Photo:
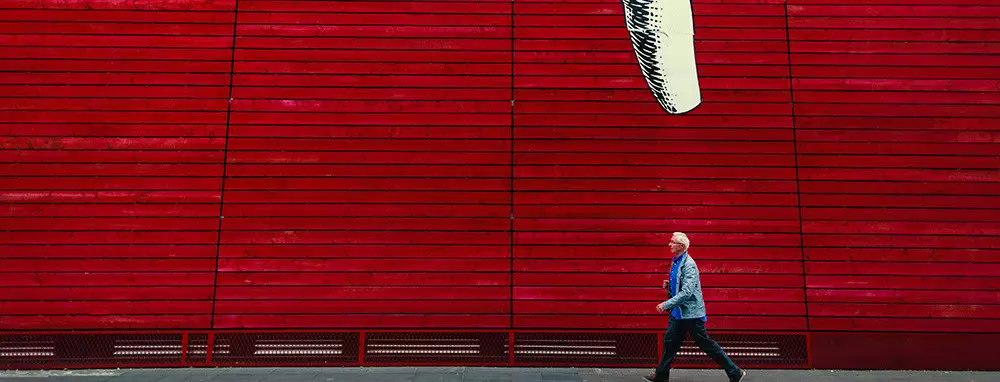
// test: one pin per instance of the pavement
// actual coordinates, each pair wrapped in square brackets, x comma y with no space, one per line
[472,374]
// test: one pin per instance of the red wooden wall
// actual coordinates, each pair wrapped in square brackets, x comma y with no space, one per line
[498,165]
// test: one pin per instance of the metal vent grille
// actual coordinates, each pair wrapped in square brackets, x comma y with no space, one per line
[285,348]
[434,348]
[586,348]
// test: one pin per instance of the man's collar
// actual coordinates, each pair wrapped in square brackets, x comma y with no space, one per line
[678,257]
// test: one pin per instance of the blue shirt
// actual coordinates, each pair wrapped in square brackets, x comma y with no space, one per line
[674,271]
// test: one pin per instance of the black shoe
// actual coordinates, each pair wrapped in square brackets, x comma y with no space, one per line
[743,373]
[652,378]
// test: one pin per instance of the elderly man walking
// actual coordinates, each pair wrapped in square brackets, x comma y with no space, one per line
[687,314]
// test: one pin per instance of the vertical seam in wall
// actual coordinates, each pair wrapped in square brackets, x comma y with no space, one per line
[795,152]
[225,162]
[511,179]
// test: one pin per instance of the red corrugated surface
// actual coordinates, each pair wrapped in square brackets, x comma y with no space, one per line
[496,165]
[113,118]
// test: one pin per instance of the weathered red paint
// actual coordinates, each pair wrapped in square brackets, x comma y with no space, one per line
[500,165]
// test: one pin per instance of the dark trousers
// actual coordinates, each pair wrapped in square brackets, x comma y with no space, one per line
[672,340]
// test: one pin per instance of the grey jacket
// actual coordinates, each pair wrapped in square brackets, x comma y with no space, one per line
[688,297]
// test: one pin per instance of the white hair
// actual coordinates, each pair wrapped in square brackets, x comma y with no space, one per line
[682,238]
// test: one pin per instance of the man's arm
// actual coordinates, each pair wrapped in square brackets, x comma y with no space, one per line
[689,278]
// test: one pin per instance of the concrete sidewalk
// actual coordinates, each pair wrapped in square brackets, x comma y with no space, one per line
[473,374]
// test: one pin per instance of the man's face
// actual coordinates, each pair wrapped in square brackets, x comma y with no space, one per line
[676,247]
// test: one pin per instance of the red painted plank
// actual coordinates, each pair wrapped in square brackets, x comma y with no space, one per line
[910,161]
[967,255]
[430,210]
[94,208]
[107,183]
[659,265]
[635,82]
[108,265]
[164,169]
[374,43]
[901,296]
[714,280]
[654,249]
[643,159]
[165,42]
[416,7]
[653,225]
[880,268]
[484,94]
[721,185]
[623,45]
[103,308]
[103,224]
[629,69]
[654,322]
[119,322]
[890,11]
[108,237]
[820,173]
[107,251]
[895,214]
[71,65]
[137,16]
[940,22]
[351,307]
[944,35]
[362,265]
[362,224]
[652,198]
[381,18]
[901,241]
[588,32]
[709,58]
[380,56]
[368,158]
[374,171]
[653,294]
[895,60]
[61,104]
[366,68]
[384,252]
[123,279]
[895,72]
[617,309]
[912,201]
[368,321]
[146,144]
[894,188]
[139,53]
[652,172]
[949,149]
[370,119]
[109,28]
[383,278]
[715,96]
[554,238]
[354,145]
[349,237]
[980,85]
[373,196]
[152,5]
[644,108]
[748,127]
[111,91]
[98,156]
[115,293]
[610,8]
[928,228]
[702,21]
[363,31]
[903,282]
[983,98]
[936,325]
[384,293]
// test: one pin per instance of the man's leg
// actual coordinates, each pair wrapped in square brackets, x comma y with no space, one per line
[671,345]
[712,348]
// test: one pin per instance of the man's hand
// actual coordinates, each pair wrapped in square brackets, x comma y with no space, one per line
[659,308]
[666,284]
